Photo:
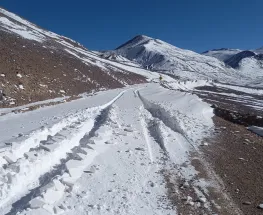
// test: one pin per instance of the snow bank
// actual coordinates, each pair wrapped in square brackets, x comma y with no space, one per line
[256,130]
[184,112]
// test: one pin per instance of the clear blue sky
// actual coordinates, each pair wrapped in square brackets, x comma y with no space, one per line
[198,25]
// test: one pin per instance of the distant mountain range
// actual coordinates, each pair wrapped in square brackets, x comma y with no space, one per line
[223,65]
[36,64]
[234,57]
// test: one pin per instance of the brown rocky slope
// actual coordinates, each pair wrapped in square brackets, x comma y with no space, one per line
[35,65]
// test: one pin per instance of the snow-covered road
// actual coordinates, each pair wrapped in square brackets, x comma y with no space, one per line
[112,153]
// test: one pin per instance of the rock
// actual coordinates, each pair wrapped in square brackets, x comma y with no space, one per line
[202,199]
[246,203]
[90,170]
[12,103]
[214,106]
[139,149]
[128,129]
[184,185]
[260,206]
[190,203]
[188,198]
[204,144]
[151,183]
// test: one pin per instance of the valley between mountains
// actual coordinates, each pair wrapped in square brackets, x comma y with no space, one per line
[146,128]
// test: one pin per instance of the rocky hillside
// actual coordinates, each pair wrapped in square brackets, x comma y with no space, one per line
[36,64]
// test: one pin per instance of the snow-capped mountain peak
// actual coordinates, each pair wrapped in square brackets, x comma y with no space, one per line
[161,56]
[137,40]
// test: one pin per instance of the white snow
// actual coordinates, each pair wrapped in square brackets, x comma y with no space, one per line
[51,196]
[36,203]
[222,54]
[21,86]
[145,52]
[254,91]
[256,130]
[74,168]
[120,164]
[20,30]
[19,75]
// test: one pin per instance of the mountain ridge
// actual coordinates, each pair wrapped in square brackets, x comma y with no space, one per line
[36,64]
[43,65]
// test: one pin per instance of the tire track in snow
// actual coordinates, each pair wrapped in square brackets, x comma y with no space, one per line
[59,169]
[21,145]
[179,168]
[145,133]
[161,114]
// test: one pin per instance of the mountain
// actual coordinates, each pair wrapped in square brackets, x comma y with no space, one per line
[248,63]
[259,50]
[225,54]
[234,60]
[159,56]
[222,54]
[36,64]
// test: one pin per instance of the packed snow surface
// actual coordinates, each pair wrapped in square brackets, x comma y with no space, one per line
[106,151]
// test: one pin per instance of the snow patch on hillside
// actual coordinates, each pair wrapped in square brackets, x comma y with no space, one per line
[21,30]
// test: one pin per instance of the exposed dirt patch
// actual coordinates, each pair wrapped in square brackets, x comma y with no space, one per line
[236,156]
[32,71]
[238,118]
[232,100]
